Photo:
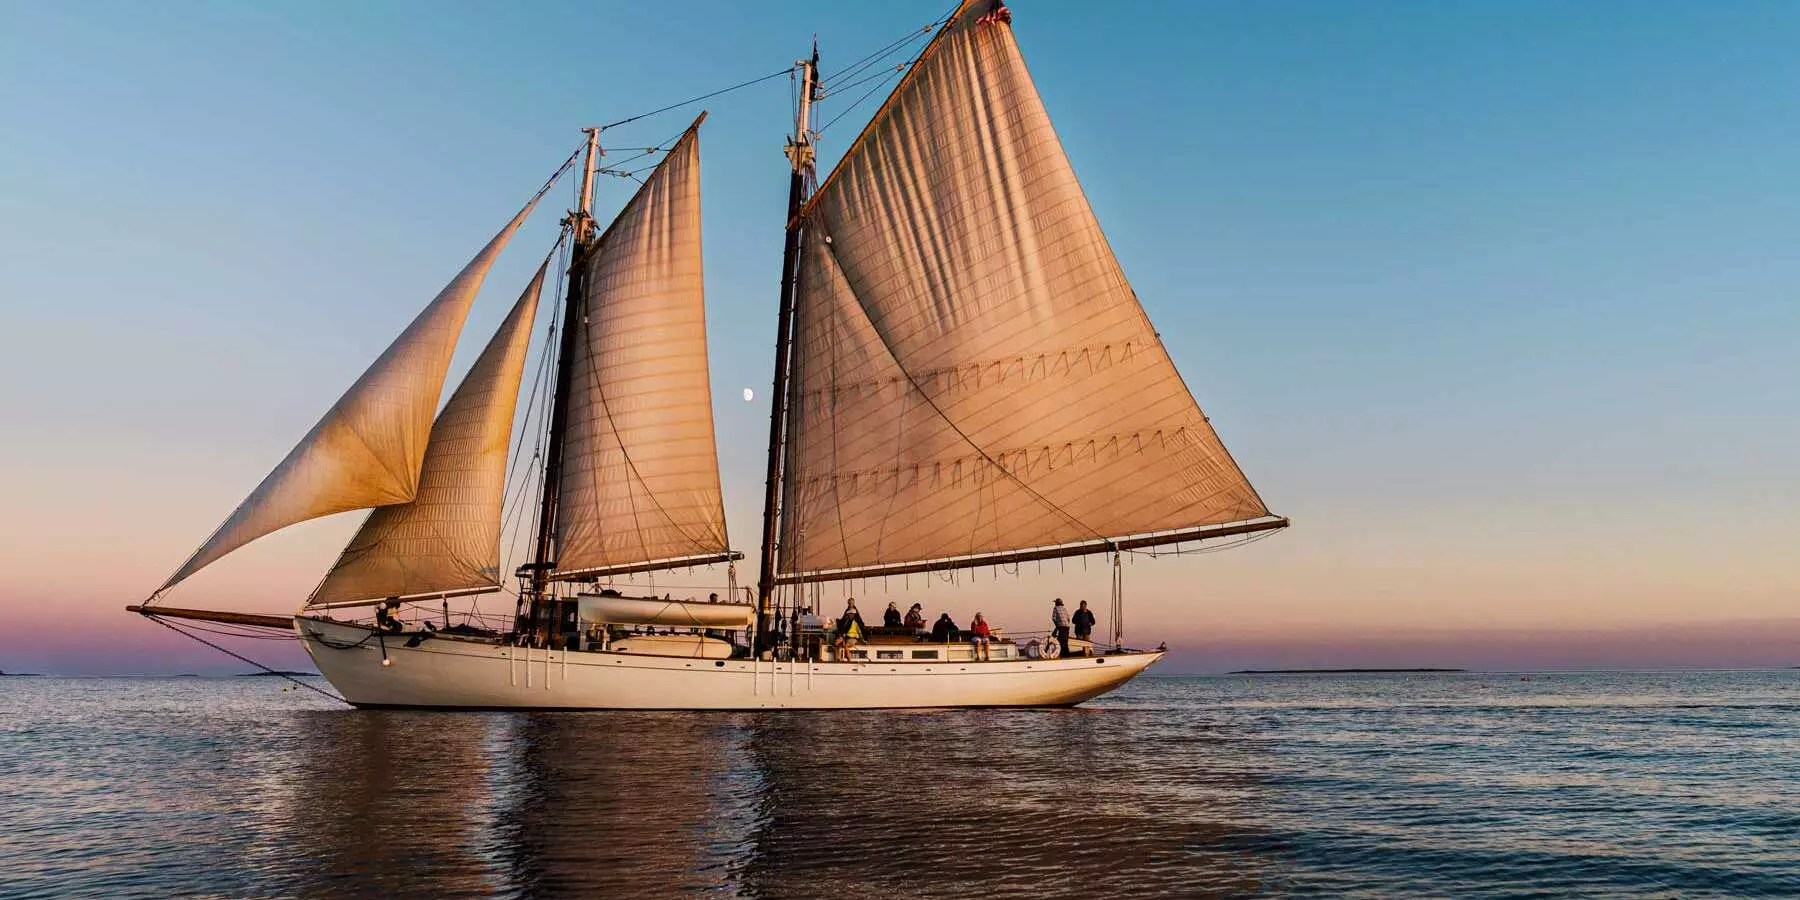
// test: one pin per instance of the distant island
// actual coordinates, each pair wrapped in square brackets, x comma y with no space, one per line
[20,675]
[1335,671]
[278,673]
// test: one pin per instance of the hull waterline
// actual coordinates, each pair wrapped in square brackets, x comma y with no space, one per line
[378,670]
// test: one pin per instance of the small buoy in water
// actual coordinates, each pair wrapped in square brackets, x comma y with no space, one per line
[749,395]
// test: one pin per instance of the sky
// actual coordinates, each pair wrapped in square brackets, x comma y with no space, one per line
[1497,302]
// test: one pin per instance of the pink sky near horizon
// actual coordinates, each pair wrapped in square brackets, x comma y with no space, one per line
[1313,596]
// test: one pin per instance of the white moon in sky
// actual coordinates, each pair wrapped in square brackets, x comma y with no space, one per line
[749,395]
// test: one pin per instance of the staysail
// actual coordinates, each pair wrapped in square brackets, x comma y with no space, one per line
[972,373]
[640,479]
[368,449]
[448,537]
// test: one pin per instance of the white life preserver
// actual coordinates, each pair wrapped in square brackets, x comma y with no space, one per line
[1049,648]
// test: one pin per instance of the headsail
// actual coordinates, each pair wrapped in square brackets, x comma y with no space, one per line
[448,538]
[972,373]
[640,479]
[368,449]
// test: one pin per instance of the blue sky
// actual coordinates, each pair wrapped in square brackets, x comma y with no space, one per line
[1495,300]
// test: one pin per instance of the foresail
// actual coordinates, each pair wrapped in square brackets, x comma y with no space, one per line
[368,449]
[448,537]
[640,478]
[972,373]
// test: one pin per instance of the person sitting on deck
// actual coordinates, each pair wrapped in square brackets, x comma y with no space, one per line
[1084,622]
[915,618]
[385,618]
[847,635]
[849,617]
[979,635]
[891,617]
[943,629]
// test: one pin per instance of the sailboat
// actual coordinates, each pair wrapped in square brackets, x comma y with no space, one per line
[963,378]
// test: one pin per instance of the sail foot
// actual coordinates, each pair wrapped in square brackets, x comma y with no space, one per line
[1040,553]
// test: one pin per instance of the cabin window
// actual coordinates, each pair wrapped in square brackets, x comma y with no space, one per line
[925,654]
[889,654]
[859,654]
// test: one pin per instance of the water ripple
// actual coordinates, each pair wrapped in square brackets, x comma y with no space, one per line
[1649,784]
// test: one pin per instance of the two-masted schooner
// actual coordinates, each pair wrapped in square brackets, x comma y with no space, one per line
[963,378]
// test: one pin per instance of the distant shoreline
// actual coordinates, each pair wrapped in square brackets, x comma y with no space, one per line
[1335,671]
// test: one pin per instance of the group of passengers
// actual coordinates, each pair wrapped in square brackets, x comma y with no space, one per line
[850,628]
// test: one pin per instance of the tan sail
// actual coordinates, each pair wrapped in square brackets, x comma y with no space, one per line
[448,537]
[972,373]
[640,479]
[368,449]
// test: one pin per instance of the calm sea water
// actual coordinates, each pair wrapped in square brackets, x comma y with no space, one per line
[1643,784]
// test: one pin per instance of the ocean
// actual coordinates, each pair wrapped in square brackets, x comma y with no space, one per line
[1644,784]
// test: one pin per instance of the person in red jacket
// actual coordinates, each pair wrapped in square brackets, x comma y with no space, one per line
[979,636]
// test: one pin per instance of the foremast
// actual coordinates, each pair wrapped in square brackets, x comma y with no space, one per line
[800,155]
[537,618]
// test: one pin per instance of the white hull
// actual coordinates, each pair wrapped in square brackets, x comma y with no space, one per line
[448,672]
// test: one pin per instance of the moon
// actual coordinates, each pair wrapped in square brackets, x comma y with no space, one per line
[749,395]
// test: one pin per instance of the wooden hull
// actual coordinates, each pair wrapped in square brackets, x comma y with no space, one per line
[454,673]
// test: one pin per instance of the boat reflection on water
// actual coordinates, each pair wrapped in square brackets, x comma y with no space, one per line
[914,804]
[393,804]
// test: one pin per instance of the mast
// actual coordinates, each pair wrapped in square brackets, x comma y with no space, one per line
[543,612]
[800,156]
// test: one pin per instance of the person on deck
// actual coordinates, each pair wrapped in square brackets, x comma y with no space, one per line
[1059,624]
[915,618]
[385,619]
[979,635]
[943,629]
[849,630]
[850,616]
[1084,622]
[891,617]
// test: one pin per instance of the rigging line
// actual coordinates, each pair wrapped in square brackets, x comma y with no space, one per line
[546,372]
[228,631]
[865,62]
[879,73]
[662,147]
[323,693]
[694,100]
[537,380]
[871,92]
[559,171]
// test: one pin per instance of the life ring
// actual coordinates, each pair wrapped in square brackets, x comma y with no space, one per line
[1050,649]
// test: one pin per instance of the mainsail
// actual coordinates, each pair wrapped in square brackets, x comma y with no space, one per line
[972,373]
[448,537]
[368,449]
[640,482]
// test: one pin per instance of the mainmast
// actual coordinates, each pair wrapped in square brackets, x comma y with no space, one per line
[543,611]
[800,157]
